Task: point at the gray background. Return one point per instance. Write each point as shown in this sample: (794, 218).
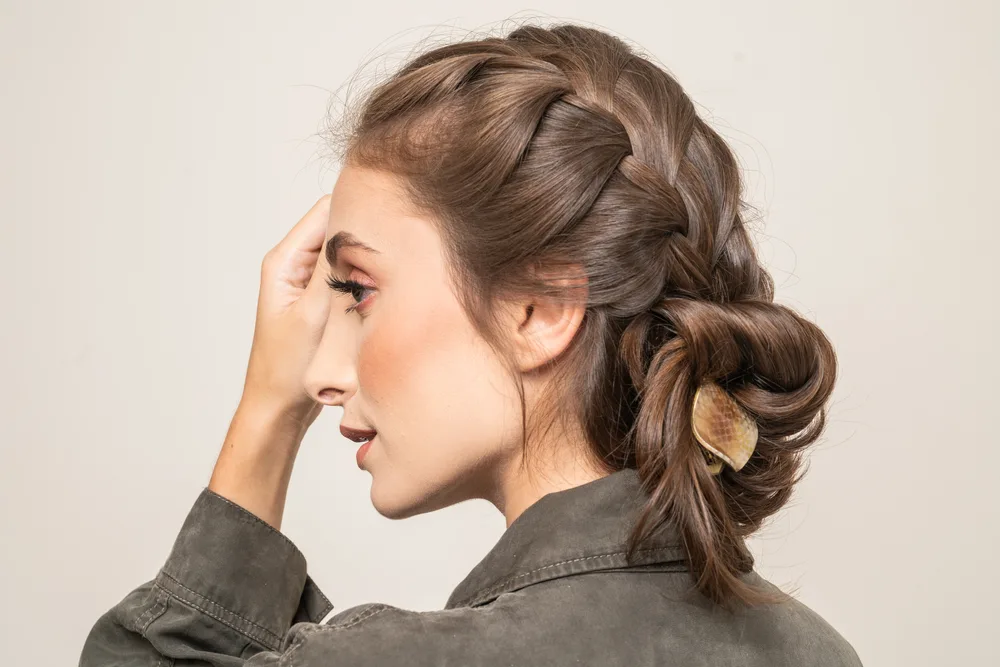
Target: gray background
(152, 152)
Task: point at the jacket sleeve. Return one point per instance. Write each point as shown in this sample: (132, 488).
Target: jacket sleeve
(227, 596)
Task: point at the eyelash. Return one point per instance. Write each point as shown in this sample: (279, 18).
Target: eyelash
(346, 287)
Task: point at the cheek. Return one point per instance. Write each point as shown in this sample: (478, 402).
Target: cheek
(406, 366)
(433, 387)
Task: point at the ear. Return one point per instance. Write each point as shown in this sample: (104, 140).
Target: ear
(544, 328)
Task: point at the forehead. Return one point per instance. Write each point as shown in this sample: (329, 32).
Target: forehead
(370, 216)
(365, 207)
(361, 190)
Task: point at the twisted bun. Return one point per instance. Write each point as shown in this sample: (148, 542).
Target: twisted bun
(779, 367)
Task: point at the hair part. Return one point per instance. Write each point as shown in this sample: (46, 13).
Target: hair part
(563, 148)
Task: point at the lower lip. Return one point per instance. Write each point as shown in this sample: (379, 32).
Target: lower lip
(362, 450)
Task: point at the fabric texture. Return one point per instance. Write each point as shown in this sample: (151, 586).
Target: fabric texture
(555, 590)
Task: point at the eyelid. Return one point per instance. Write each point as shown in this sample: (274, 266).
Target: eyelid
(347, 287)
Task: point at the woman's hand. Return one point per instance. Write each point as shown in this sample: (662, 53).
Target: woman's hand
(292, 310)
(255, 464)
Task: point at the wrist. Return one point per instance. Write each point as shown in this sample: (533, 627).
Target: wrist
(280, 418)
(255, 465)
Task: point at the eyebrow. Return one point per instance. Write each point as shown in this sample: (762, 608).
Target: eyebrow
(345, 240)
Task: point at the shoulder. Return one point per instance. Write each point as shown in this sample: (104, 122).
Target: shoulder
(804, 632)
(575, 620)
(383, 634)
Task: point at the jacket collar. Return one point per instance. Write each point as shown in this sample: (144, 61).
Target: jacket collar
(576, 530)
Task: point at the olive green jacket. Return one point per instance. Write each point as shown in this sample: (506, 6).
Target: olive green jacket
(555, 590)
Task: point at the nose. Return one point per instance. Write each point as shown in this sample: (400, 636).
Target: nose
(330, 377)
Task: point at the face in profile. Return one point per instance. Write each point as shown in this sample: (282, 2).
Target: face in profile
(401, 357)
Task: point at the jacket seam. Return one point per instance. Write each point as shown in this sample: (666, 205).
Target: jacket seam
(489, 592)
(327, 605)
(303, 633)
(378, 608)
(253, 518)
(154, 611)
(270, 639)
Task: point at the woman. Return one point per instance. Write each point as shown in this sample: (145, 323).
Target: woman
(545, 296)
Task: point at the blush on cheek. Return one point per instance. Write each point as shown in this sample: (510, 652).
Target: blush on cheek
(377, 359)
(409, 361)
(387, 358)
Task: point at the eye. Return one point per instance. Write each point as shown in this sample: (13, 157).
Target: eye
(352, 287)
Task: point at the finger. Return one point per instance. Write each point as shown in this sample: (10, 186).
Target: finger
(317, 290)
(308, 233)
(294, 260)
(315, 300)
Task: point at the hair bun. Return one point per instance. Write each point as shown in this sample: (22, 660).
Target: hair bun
(778, 365)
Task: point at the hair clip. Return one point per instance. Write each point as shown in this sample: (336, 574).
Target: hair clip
(724, 429)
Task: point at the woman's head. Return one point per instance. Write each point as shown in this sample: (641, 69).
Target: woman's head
(566, 246)
(402, 357)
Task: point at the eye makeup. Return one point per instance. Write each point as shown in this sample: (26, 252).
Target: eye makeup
(352, 287)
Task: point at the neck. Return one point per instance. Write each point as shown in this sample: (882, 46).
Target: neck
(521, 486)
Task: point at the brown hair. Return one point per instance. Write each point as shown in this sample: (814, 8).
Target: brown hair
(562, 148)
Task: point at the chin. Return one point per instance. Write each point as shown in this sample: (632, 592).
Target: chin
(401, 500)
(392, 504)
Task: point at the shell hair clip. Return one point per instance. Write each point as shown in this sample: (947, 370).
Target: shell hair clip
(726, 432)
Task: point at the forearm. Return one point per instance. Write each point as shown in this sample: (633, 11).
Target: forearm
(255, 465)
(233, 585)
(227, 596)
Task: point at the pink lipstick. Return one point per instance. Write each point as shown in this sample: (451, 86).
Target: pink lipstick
(359, 435)
(362, 450)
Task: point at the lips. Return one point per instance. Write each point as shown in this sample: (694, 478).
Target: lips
(364, 436)
(362, 452)
(356, 435)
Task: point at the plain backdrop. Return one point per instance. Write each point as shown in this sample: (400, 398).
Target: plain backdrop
(152, 152)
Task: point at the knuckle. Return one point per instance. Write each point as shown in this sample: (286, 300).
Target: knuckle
(270, 257)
